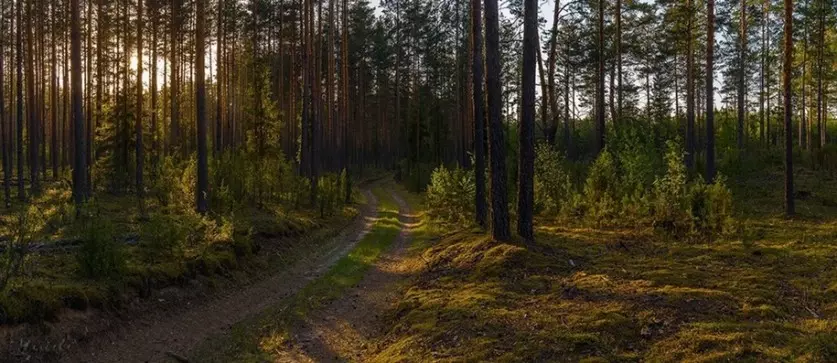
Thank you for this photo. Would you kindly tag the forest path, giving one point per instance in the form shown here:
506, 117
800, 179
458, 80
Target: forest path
170, 336
348, 328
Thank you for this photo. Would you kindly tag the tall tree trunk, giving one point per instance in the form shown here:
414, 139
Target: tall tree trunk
174, 81
742, 58
820, 61
803, 130
3, 129
140, 150
479, 111
155, 148
710, 91
549, 95
79, 167
619, 55
21, 193
53, 95
32, 104
787, 72
765, 18
526, 168
690, 90
600, 89
497, 148
200, 101
219, 92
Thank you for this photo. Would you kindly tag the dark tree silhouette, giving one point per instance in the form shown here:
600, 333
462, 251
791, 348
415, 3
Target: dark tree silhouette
479, 110
200, 100
79, 159
710, 91
787, 71
496, 134
526, 168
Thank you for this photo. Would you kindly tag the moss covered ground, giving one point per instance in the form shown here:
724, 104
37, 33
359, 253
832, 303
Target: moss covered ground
768, 293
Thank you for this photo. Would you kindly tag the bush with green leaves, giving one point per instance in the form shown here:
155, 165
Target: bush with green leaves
450, 195
686, 208
162, 236
672, 194
101, 255
28, 224
601, 189
552, 182
328, 193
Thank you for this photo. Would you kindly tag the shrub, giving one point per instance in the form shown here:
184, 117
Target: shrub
162, 235
671, 196
450, 195
681, 207
552, 182
27, 224
329, 190
100, 255
712, 208
601, 189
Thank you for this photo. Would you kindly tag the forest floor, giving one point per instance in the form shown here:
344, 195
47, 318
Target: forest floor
579, 293
398, 288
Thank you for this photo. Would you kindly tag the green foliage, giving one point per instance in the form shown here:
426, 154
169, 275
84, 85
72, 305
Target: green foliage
552, 182
28, 222
101, 255
451, 194
329, 191
162, 235
682, 207
175, 186
601, 189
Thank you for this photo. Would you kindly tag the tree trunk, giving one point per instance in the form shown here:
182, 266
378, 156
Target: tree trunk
3, 129
497, 148
787, 70
690, 90
155, 149
79, 167
710, 91
21, 193
200, 101
140, 155
619, 55
174, 81
32, 104
526, 168
600, 92
742, 58
479, 110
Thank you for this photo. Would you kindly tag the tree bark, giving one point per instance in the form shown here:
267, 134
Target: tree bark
600, 89
497, 148
710, 91
526, 168
140, 150
690, 90
787, 71
79, 167
200, 100
742, 58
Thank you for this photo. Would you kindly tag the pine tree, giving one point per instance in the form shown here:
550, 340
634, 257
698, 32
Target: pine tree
496, 135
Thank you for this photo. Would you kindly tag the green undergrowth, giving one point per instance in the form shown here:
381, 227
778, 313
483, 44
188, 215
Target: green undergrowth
124, 257
254, 340
632, 295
